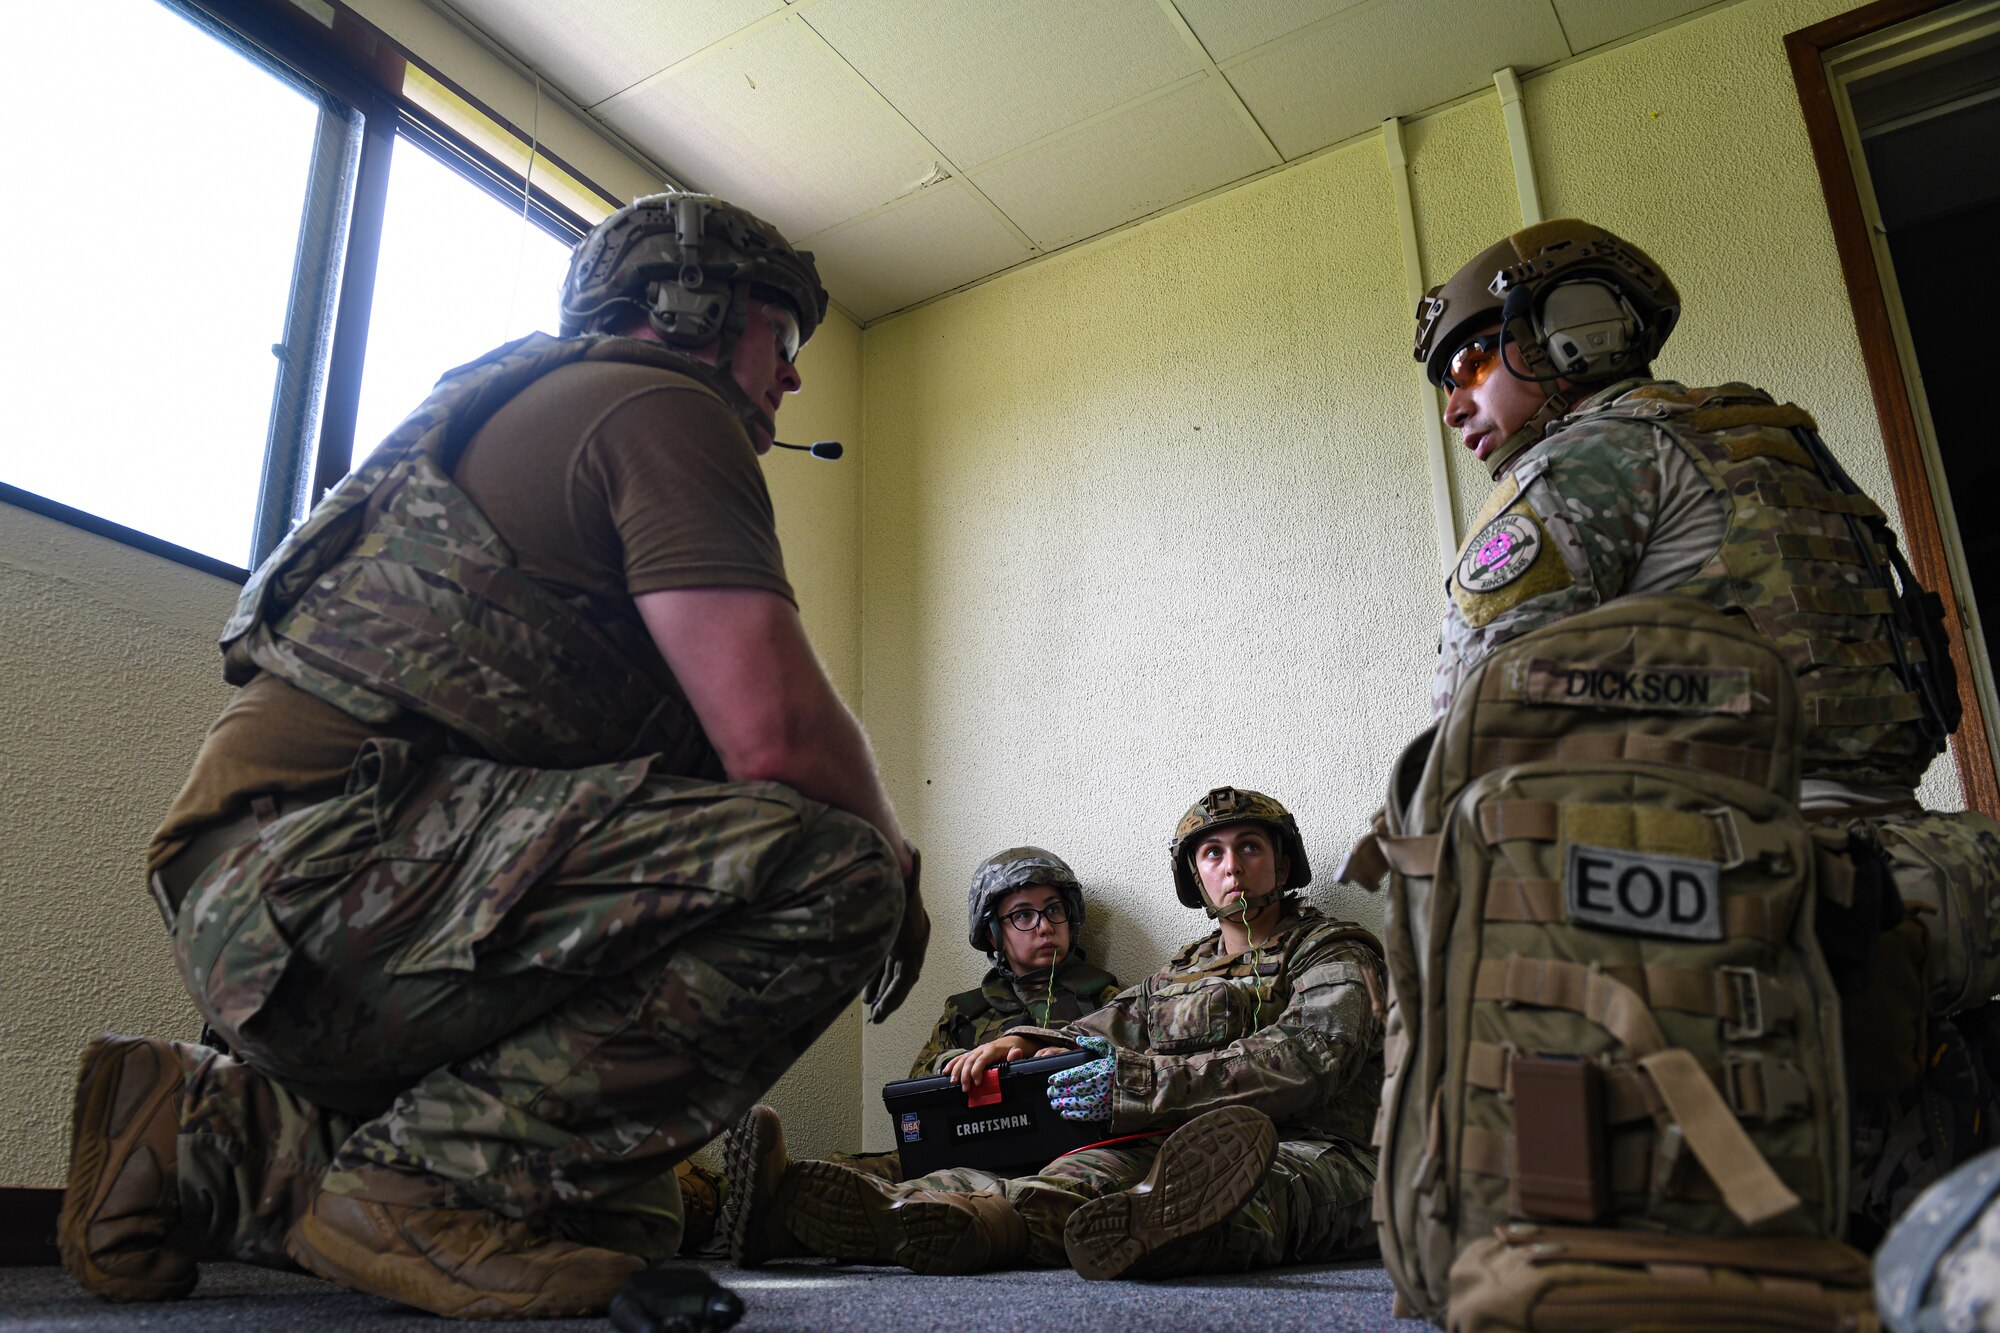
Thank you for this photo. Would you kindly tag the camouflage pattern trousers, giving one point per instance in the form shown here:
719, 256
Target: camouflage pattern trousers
463, 984
1313, 1207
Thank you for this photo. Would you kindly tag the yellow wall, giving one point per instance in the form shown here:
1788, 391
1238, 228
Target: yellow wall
1153, 515
109, 677
1145, 517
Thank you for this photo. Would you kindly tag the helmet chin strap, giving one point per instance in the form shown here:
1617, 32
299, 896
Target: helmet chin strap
1540, 370
1245, 907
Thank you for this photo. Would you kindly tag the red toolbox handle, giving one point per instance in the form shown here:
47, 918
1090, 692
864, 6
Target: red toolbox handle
988, 1091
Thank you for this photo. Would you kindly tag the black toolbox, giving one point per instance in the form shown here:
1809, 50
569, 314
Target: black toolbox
1005, 1126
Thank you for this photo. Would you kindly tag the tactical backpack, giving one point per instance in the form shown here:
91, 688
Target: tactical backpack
1607, 1006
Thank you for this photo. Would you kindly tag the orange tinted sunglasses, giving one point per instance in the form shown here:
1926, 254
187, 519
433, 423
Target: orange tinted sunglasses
1472, 363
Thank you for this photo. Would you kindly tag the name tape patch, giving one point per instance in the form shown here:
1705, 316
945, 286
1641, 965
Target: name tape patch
1501, 553
1638, 689
1641, 894
993, 1124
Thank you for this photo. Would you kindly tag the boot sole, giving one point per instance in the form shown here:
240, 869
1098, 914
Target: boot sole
844, 1215
742, 1151
1206, 1170
91, 1132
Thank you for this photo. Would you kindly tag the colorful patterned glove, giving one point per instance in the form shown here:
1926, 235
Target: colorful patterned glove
1084, 1092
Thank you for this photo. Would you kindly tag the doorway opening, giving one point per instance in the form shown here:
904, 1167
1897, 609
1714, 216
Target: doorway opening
1905, 119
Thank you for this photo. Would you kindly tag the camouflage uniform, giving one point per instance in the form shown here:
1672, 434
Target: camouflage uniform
1650, 486
1001, 1003
1292, 1029
530, 981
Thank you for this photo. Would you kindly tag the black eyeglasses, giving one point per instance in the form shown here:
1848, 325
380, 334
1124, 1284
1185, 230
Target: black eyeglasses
1027, 918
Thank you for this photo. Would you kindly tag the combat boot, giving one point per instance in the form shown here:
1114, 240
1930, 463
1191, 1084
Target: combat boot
851, 1216
754, 1164
463, 1263
120, 1229
1206, 1170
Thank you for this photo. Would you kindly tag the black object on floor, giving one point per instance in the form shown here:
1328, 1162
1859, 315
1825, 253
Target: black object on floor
674, 1300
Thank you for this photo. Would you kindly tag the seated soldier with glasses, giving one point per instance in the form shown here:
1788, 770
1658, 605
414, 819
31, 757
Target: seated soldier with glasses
1038, 978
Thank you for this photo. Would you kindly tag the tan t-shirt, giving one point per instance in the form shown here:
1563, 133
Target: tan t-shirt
603, 477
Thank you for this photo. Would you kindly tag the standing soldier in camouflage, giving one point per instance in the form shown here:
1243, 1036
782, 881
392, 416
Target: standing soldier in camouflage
1023, 910
536, 843
1275, 1017
1612, 483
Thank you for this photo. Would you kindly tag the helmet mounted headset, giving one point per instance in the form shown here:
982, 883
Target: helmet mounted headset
690, 263
1581, 304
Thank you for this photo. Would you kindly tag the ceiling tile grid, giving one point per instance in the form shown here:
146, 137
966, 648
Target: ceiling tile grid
1228, 28
1127, 165
980, 79
593, 48
778, 124
942, 238
919, 145
1389, 58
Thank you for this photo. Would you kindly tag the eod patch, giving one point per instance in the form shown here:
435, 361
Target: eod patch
1639, 893
1508, 561
1501, 552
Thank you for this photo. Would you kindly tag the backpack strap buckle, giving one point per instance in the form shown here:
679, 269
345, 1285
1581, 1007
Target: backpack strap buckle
1740, 989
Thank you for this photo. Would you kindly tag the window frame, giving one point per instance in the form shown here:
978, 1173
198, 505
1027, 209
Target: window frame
348, 60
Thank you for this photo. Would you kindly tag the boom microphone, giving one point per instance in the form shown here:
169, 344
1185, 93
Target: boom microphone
827, 449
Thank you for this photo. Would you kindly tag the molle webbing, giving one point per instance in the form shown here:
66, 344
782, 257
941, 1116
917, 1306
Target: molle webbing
1540, 902
1796, 559
1765, 1090
1708, 835
1750, 1188
1632, 1167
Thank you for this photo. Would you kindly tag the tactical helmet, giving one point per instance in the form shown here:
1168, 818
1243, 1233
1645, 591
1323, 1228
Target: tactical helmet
1579, 302
1221, 808
689, 261
1016, 868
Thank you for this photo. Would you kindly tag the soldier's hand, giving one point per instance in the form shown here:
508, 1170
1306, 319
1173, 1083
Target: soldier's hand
1084, 1092
968, 1067
892, 985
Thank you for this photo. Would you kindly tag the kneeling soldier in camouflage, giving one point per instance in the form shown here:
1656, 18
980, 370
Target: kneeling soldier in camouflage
536, 843
1023, 911
1258, 1047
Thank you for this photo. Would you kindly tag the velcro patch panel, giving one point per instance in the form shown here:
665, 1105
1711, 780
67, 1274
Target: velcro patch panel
1642, 893
1652, 688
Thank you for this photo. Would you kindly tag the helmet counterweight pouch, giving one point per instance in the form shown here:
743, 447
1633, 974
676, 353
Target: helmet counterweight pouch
1596, 860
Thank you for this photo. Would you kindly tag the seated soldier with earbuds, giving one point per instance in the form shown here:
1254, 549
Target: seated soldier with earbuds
1235, 1089
1023, 912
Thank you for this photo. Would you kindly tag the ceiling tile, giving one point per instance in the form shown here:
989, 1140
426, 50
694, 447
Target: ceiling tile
777, 124
1231, 27
1591, 23
942, 239
980, 79
592, 48
1390, 58
1128, 165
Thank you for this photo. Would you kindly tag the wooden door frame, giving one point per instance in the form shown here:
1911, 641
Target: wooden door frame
1915, 500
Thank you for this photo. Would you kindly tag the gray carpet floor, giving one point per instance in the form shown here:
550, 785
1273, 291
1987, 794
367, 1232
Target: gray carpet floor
795, 1295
